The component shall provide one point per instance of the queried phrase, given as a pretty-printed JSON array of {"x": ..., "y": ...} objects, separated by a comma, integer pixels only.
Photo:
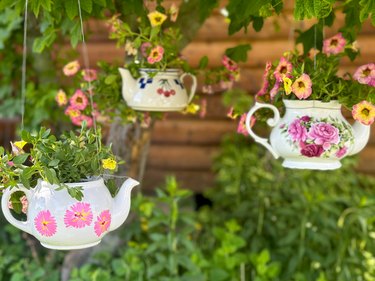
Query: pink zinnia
[
  {"x": 89, "y": 75},
  {"x": 334, "y": 45},
  {"x": 156, "y": 55},
  {"x": 45, "y": 223},
  {"x": 365, "y": 74},
  {"x": 79, "y": 215},
  {"x": 71, "y": 68},
  {"x": 229, "y": 64},
  {"x": 79, "y": 100},
  {"x": 302, "y": 87},
  {"x": 102, "y": 223},
  {"x": 284, "y": 68}
]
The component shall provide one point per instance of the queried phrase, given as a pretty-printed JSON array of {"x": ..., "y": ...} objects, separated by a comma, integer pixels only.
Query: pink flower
[
  {"x": 89, "y": 75},
  {"x": 80, "y": 119},
  {"x": 71, "y": 68},
  {"x": 365, "y": 74},
  {"x": 226, "y": 85},
  {"x": 265, "y": 84},
  {"x": 297, "y": 131},
  {"x": 334, "y": 45},
  {"x": 207, "y": 89},
  {"x": 45, "y": 223},
  {"x": 145, "y": 47},
  {"x": 79, "y": 215},
  {"x": 173, "y": 11},
  {"x": 72, "y": 112},
  {"x": 275, "y": 89},
  {"x": 364, "y": 112},
  {"x": 324, "y": 134},
  {"x": 302, "y": 87},
  {"x": 61, "y": 98},
  {"x": 241, "y": 129},
  {"x": 231, "y": 113},
  {"x": 312, "y": 150},
  {"x": 284, "y": 68},
  {"x": 156, "y": 55},
  {"x": 203, "y": 110},
  {"x": 229, "y": 64},
  {"x": 341, "y": 152},
  {"x": 79, "y": 100},
  {"x": 103, "y": 221}
]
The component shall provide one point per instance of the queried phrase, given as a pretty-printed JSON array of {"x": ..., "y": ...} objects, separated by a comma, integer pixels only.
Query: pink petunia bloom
[
  {"x": 61, "y": 98},
  {"x": 275, "y": 89},
  {"x": 365, "y": 74},
  {"x": 72, "y": 112},
  {"x": 207, "y": 89},
  {"x": 341, "y": 152},
  {"x": 231, "y": 113},
  {"x": 265, "y": 83},
  {"x": 229, "y": 64},
  {"x": 334, "y": 45},
  {"x": 241, "y": 128},
  {"x": 45, "y": 223},
  {"x": 80, "y": 119},
  {"x": 155, "y": 55},
  {"x": 79, "y": 215},
  {"x": 145, "y": 47},
  {"x": 173, "y": 11},
  {"x": 284, "y": 68},
  {"x": 79, "y": 100},
  {"x": 302, "y": 87},
  {"x": 364, "y": 112},
  {"x": 297, "y": 131},
  {"x": 89, "y": 75},
  {"x": 324, "y": 134},
  {"x": 203, "y": 110},
  {"x": 102, "y": 223},
  {"x": 71, "y": 68}
]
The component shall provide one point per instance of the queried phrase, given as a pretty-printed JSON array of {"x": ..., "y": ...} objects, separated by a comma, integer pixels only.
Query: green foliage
[{"x": 238, "y": 53}]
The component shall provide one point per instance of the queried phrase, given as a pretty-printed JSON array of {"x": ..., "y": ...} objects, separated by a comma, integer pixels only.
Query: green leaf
[
  {"x": 45, "y": 41},
  {"x": 86, "y": 5},
  {"x": 238, "y": 53},
  {"x": 311, "y": 38},
  {"x": 53, "y": 163},
  {"x": 258, "y": 23},
  {"x": 20, "y": 159},
  {"x": 203, "y": 62},
  {"x": 71, "y": 8},
  {"x": 368, "y": 7},
  {"x": 100, "y": 2},
  {"x": 110, "y": 79}
]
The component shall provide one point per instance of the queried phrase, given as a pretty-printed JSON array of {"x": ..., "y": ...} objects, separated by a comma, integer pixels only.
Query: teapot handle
[
  {"x": 193, "y": 87},
  {"x": 270, "y": 122},
  {"x": 23, "y": 225}
]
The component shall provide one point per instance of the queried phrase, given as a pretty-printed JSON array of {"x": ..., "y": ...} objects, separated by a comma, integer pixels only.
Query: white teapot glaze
[
  {"x": 163, "y": 91},
  {"x": 311, "y": 135},
  {"x": 61, "y": 222}
]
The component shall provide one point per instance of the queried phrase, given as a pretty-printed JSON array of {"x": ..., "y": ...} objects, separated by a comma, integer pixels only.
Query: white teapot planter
[
  {"x": 311, "y": 134},
  {"x": 164, "y": 91},
  {"x": 61, "y": 222}
]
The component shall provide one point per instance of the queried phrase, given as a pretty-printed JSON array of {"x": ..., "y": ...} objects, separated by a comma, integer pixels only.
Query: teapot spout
[
  {"x": 361, "y": 137},
  {"x": 121, "y": 203},
  {"x": 128, "y": 84}
]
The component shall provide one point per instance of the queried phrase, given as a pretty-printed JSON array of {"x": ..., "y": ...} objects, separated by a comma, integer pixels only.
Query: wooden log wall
[{"x": 185, "y": 145}]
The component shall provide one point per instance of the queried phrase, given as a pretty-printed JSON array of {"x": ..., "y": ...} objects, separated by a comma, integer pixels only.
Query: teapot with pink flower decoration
[{"x": 307, "y": 90}]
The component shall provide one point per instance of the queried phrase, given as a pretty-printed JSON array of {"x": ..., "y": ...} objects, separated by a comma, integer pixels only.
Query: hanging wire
[
  {"x": 87, "y": 67},
  {"x": 24, "y": 56}
]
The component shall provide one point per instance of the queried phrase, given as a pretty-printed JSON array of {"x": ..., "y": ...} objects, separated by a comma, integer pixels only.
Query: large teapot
[
  {"x": 61, "y": 222},
  {"x": 157, "y": 90},
  {"x": 311, "y": 134}
]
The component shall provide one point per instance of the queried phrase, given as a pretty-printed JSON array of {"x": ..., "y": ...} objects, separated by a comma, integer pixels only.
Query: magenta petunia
[
  {"x": 324, "y": 134},
  {"x": 334, "y": 45},
  {"x": 229, "y": 64},
  {"x": 45, "y": 223},
  {"x": 102, "y": 222},
  {"x": 79, "y": 100},
  {"x": 365, "y": 74},
  {"x": 79, "y": 215},
  {"x": 297, "y": 131}
]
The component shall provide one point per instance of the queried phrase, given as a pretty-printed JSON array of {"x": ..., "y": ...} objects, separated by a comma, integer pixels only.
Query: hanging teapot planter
[
  {"x": 311, "y": 135},
  {"x": 61, "y": 222},
  {"x": 161, "y": 91}
]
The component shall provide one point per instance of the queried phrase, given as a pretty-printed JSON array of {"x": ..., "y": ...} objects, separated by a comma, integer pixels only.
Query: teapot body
[
  {"x": 157, "y": 90},
  {"x": 311, "y": 135}
]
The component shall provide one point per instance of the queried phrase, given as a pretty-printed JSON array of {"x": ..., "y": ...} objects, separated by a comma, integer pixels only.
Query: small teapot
[
  {"x": 61, "y": 222},
  {"x": 157, "y": 90},
  {"x": 311, "y": 134}
]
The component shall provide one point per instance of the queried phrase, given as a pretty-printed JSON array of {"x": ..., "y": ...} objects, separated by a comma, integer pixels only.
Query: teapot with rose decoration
[{"x": 311, "y": 98}]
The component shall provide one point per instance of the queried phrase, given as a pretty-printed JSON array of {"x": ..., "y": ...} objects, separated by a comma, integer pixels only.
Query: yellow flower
[
  {"x": 109, "y": 164},
  {"x": 156, "y": 18},
  {"x": 20, "y": 144},
  {"x": 191, "y": 108},
  {"x": 287, "y": 85}
]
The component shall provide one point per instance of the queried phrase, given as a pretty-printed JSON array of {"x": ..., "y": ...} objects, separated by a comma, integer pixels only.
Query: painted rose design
[
  {"x": 313, "y": 137},
  {"x": 102, "y": 222},
  {"x": 79, "y": 215},
  {"x": 45, "y": 223}
]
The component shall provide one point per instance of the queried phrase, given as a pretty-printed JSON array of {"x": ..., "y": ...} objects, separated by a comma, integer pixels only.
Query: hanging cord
[
  {"x": 24, "y": 56},
  {"x": 87, "y": 67}
]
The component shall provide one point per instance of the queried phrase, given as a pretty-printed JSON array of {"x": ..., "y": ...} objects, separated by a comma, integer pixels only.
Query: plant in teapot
[
  {"x": 69, "y": 203},
  {"x": 307, "y": 91}
]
